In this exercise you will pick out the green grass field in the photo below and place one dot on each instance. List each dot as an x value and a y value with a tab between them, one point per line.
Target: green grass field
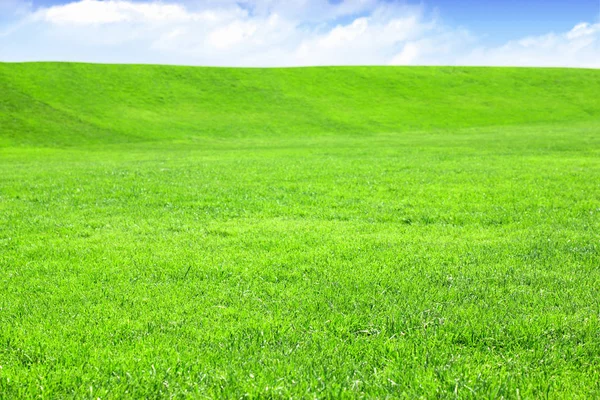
173	232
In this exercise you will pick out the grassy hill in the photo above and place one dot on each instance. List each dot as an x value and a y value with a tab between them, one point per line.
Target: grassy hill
174	232
72	104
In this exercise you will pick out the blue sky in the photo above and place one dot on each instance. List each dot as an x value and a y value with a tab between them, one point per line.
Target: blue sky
499	20
304	32
496	20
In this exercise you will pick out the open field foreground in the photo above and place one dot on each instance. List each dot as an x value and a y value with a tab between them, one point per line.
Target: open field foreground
172	232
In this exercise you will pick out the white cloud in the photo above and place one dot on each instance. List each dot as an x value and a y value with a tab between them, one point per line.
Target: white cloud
95	12
269	33
366	40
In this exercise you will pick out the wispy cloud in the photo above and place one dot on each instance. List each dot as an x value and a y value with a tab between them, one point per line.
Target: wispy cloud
270	33
579	47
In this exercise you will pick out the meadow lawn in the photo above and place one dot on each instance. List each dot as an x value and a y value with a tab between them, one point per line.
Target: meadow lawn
178	232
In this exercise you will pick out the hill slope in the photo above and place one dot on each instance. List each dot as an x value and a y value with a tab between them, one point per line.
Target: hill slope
50	104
